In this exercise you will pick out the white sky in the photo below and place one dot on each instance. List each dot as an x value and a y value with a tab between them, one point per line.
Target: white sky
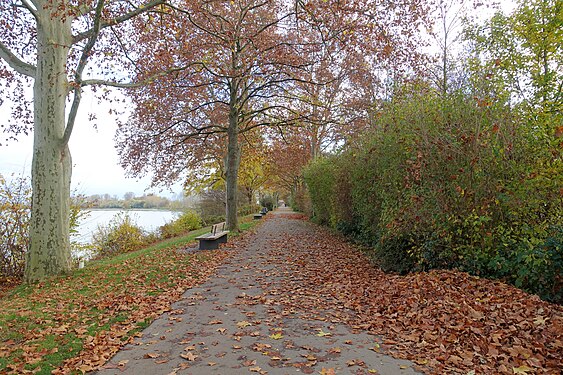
95	161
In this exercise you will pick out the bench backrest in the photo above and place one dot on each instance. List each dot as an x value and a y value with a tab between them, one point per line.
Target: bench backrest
219	227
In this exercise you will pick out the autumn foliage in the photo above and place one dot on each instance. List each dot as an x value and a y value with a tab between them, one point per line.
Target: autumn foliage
447	322
450	184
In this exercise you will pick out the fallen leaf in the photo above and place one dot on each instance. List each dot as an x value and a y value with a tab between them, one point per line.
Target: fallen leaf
323	334
189	356
276	336
521	370
243	324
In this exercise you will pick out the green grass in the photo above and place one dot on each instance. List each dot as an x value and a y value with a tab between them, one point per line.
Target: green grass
47	325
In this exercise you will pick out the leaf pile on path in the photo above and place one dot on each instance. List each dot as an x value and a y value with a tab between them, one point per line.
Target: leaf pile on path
77	323
445	321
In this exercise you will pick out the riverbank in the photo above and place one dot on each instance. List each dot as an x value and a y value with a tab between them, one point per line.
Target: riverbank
46	324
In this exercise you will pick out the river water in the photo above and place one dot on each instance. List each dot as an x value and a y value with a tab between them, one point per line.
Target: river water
149	220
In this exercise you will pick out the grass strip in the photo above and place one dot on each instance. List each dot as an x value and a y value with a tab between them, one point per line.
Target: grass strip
75	323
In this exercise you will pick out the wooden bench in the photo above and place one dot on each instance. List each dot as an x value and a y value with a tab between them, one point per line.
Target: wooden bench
257	216
211	241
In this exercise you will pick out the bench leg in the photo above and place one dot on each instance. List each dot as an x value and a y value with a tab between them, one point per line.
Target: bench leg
212	244
208	245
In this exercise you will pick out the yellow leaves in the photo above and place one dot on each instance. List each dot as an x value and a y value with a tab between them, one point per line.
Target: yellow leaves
189	356
243	324
521	370
323	334
327	371
151	355
276	336
258	369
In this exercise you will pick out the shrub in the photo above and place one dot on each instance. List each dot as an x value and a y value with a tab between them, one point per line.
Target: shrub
450	183
213	219
15	216
187	222
267	200
320	179
15	203
247	209
120	235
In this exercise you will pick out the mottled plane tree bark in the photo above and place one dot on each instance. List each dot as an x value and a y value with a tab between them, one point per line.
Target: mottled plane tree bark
50	43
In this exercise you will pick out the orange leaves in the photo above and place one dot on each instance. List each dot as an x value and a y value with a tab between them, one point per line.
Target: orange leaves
445	321
97	311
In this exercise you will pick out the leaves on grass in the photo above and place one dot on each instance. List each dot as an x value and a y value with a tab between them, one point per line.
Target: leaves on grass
93	313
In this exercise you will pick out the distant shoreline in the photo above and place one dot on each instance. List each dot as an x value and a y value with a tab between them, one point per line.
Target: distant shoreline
130	209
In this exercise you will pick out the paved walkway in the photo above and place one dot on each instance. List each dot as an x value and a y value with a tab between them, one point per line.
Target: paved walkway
235	324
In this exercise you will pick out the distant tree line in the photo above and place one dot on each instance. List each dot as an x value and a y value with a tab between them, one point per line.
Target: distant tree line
130	201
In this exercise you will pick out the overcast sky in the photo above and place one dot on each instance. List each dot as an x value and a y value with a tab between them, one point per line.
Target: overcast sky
95	161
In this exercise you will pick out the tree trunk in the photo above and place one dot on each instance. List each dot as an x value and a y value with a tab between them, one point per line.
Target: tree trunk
232	163
49	252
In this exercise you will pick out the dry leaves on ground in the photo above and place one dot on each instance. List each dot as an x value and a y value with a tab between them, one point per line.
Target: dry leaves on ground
446	321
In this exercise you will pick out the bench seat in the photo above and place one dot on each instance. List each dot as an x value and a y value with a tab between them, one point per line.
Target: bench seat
211	241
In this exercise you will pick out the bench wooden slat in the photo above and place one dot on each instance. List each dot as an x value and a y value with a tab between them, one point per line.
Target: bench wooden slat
212	239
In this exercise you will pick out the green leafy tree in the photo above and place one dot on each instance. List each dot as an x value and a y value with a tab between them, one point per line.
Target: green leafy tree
525	51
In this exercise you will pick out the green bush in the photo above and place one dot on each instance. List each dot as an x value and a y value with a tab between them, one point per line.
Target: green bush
15	216
213	219
320	177
187	222
267	200
247	209
120	235
15	203
450	183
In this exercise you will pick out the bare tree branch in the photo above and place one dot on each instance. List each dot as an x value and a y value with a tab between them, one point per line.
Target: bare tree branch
126	17
30	7
79	69
15	62
128	85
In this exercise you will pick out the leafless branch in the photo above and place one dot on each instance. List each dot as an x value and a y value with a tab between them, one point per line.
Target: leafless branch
15	62
126	17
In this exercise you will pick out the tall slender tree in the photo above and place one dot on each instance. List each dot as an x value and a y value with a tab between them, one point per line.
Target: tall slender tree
247	64
239	61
